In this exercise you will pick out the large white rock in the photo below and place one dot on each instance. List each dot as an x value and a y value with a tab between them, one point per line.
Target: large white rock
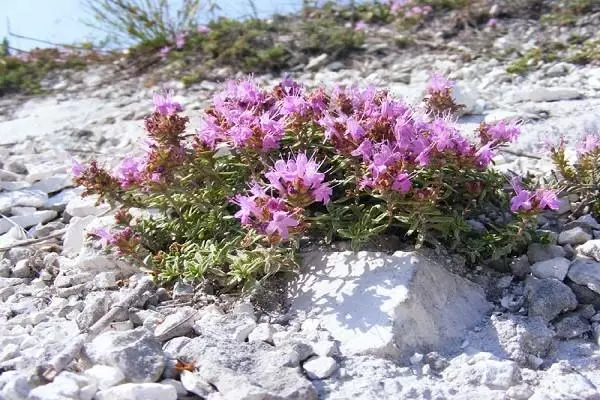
60	200
84	206
23	198
387	305
66	385
139	391
53	183
76	234
105	376
540	94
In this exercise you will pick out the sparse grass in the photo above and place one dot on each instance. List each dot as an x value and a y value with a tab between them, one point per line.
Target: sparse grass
255	45
446	4
587	52
25	75
141	20
568	12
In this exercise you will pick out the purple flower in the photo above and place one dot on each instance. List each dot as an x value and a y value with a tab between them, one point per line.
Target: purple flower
248	208
503	132
322	194
77	168
294	105
273	130
105	236
354	130
129	171
240	135
402	183
299	175
164	103
360	26
280	223
438	83
492	23
246	91
203	29
484	155
588	144
180	39
164	52
522	201
210	132
547	198
365	150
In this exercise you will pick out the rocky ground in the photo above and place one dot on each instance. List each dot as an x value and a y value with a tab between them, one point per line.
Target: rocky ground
365	326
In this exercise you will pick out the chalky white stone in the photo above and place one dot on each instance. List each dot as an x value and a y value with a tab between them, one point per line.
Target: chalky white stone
320	367
389	305
139	391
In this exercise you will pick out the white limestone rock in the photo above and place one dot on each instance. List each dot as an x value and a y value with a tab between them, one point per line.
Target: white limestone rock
388	305
85	206
139	391
320	367
105	376
26	221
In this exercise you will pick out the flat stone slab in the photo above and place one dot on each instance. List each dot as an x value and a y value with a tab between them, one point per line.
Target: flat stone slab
387	305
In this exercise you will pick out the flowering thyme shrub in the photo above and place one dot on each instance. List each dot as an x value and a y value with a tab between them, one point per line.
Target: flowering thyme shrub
268	167
581	178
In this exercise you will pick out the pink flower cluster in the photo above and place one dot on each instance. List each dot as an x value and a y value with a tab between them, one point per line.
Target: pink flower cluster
295	184
407	8
438	83
268	215
588	144
392	141
247	117
124	240
525	200
299	181
165	104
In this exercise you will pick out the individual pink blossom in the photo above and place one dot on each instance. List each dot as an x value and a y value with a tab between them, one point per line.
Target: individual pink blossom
484	155
504	132
521	201
402	183
164	103
77	168
129	171
361	26
547	198
492	23
298	176
588	144
203	29
280	224
294	104
248	208
438	83
322	194
106	237
180	39
164	52
365	150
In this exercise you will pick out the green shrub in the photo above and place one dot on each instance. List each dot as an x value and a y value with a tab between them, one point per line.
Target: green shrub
24	73
270	169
